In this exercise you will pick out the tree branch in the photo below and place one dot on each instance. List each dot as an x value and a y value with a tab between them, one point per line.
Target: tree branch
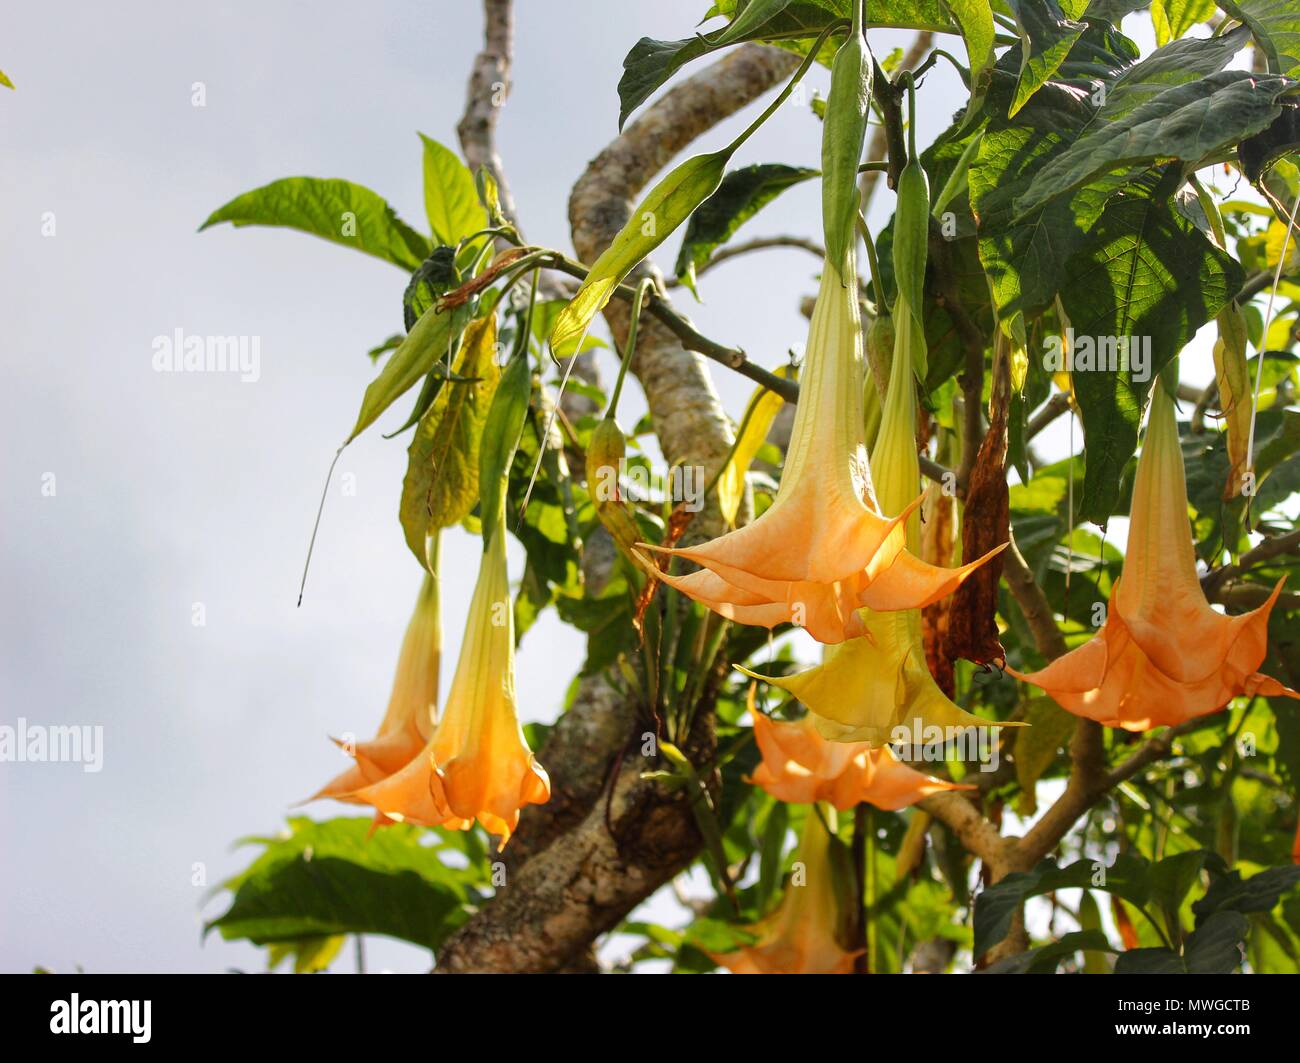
595	857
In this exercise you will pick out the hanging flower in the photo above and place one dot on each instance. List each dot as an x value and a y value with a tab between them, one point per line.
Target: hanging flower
476	765
877	689
412	707
807	932
1163	655
825	548
801	767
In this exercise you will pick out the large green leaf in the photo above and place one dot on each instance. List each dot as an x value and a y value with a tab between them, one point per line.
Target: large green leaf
1276	25
652	62
1046	36
450	198
742	193
1100	84
442	474
1192	122
1145	272
332	209
1046	958
335	877
1024	257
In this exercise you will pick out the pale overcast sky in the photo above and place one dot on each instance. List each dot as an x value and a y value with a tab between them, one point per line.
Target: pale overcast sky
184	489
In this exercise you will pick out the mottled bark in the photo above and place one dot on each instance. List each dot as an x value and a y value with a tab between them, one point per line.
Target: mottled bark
579	864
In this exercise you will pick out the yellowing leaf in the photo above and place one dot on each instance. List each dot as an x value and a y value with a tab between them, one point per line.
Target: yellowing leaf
667	206
442	476
1049	728
761	411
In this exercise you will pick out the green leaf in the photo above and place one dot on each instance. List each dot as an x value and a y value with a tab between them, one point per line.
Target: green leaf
1100	83
442	474
436	276
4	80
651	63
432	338
1173	18
1046	958
742	193
1046	37
1215	948
997	904
1276	25
332	209
975	17
753	15
336	878
450	196
1259	893
1146	272
668	204
310	954
1192	122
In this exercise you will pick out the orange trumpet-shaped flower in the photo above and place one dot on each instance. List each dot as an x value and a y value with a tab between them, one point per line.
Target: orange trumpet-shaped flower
476	765
805	934
1163	655
825	547
412	707
878	689
800	766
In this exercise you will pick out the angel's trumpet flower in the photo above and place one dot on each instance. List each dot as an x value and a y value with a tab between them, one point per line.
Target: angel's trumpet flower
807	931
825	548
1163	655
874	688
477	765
412	707
800	766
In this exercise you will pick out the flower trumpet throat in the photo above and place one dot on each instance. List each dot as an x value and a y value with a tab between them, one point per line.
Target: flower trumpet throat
825	548
1163	655
878	689
477	764
412	706
806	933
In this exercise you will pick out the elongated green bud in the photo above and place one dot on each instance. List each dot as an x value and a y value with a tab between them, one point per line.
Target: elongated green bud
843	134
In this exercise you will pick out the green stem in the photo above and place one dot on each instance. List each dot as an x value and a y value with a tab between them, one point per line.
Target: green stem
629	348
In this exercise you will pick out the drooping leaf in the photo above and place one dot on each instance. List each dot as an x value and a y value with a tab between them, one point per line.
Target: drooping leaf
1276	26
742	193
1146	273
442	475
431	338
756	422
335	877
668	204
333	209
450	196
1259	893
436	276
